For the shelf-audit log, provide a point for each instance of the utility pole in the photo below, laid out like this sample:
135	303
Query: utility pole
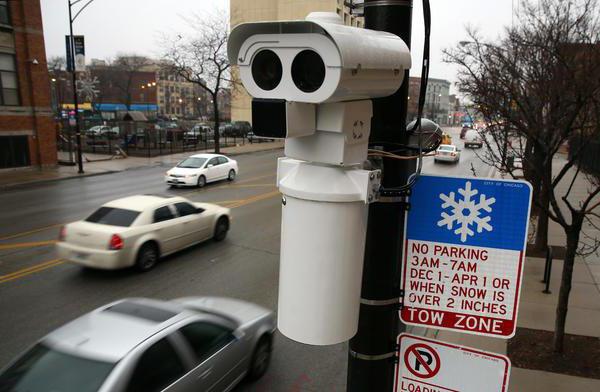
74	77
75	98
371	359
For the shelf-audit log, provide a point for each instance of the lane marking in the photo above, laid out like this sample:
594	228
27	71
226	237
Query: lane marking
30	270
27	245
33	231
256	198
252	185
22	234
228	185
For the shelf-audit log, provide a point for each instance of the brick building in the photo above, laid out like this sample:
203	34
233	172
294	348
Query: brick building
437	100
27	129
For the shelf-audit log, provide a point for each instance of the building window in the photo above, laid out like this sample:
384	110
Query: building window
9	86
14	151
4	12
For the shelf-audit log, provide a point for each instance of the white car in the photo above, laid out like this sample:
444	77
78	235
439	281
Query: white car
100	130
138	230
447	153
200	169
473	139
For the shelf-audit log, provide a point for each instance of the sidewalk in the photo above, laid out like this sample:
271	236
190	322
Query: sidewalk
537	310
97	164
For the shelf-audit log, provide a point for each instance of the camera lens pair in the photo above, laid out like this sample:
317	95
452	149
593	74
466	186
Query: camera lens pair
308	70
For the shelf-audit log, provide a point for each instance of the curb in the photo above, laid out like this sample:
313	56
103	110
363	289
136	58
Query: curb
50	180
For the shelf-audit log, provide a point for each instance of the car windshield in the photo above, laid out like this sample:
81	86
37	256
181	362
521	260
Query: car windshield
113	216
446	148
192	163
43	369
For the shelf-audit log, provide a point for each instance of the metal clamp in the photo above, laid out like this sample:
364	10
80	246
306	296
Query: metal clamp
366	357
352	5
391	195
380	302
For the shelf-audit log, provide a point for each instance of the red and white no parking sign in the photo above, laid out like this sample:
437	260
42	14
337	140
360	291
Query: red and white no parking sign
431	365
422	360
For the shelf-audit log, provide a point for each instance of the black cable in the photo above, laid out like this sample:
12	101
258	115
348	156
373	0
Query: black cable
422	96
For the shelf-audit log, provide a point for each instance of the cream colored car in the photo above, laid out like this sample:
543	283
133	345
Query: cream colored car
138	230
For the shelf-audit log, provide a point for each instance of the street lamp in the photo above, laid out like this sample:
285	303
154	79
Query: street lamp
439	106
75	98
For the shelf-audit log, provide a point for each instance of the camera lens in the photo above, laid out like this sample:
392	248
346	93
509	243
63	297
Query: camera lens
267	70
308	71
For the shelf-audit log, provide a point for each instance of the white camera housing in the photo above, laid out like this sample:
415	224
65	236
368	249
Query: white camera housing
321	60
312	82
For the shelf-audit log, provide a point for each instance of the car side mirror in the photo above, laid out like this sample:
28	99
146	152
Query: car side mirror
209	165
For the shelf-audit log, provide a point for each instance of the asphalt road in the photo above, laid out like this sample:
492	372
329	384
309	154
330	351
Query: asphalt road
38	292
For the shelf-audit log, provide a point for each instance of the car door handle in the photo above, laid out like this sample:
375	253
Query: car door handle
205	373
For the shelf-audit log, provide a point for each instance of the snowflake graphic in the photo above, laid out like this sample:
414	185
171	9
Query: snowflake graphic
466	212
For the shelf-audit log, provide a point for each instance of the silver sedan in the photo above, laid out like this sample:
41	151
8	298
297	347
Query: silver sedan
143	345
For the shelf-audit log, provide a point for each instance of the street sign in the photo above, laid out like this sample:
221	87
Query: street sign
465	244
79	49
78	61
430	365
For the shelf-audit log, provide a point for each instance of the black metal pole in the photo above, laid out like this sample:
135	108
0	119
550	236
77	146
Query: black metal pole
371	358
75	98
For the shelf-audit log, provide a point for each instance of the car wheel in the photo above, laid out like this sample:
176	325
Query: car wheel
201	181
221	229
231	175
147	257
261	357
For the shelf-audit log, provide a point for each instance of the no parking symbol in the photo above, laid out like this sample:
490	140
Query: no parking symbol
422	360
427	365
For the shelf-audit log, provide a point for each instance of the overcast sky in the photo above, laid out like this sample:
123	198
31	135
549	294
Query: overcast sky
136	26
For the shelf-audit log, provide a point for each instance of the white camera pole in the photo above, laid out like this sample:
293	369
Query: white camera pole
372	350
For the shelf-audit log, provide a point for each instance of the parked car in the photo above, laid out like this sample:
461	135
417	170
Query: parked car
226	129
473	139
101	130
252	138
145	345
199	132
200	169
447	153
138	230
241	128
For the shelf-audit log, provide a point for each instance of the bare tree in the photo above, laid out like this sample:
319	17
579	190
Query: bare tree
202	59
57	63
57	71
538	87
126	67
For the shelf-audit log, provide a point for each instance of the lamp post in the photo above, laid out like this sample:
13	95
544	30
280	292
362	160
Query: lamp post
145	99
74	78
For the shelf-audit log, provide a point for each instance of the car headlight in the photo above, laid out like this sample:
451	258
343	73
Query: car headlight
191	176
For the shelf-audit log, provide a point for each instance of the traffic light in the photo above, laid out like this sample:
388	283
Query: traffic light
312	83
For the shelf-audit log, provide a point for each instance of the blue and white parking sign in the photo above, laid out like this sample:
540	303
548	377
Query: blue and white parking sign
465	243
